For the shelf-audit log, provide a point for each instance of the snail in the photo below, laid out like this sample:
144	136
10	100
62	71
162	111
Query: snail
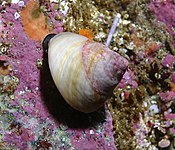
84	71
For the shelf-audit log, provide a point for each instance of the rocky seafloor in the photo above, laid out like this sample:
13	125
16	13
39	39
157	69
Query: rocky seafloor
140	115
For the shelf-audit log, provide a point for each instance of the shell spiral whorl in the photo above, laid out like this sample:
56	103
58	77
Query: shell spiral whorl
85	72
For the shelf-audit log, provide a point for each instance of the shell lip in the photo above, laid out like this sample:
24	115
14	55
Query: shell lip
45	42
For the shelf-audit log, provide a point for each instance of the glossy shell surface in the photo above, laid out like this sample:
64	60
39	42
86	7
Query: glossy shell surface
85	72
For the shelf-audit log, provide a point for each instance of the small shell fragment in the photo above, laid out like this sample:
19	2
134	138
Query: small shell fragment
164	143
16	15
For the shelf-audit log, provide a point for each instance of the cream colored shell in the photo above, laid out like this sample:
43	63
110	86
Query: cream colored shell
69	72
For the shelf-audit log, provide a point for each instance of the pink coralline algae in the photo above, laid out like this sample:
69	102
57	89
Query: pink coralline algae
34	118
165	12
172	131
167	96
16	135
173	77
170	116
128	80
168	61
3	58
94	137
34	115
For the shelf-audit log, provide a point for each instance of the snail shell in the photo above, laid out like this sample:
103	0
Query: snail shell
85	72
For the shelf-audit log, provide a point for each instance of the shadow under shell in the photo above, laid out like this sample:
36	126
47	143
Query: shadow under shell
58	107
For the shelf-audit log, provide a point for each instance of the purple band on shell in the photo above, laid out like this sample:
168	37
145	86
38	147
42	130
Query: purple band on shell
104	68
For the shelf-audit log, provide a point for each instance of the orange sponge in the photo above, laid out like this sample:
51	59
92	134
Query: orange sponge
87	33
34	22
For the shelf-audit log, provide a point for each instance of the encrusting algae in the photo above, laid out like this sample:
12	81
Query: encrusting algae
143	105
34	21
145	43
